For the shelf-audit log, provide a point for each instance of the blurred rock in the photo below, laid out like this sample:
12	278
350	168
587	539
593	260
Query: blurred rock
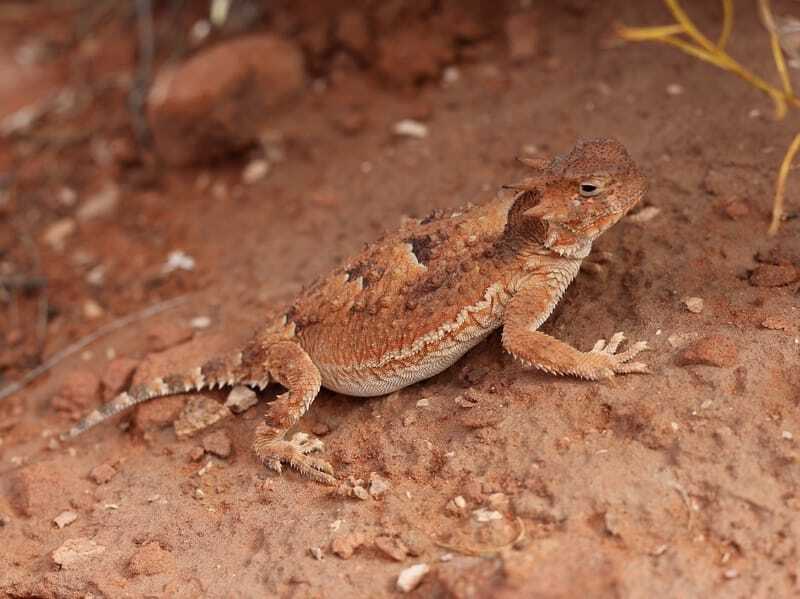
413	55
76	551
217	101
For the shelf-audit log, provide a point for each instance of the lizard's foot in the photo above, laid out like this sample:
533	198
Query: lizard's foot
604	362
276	452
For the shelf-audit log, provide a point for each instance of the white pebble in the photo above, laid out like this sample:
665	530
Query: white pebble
200	322
178	260
484	515
255	171
787	435
240	399
693	304
409	579
410	128
65	519
674	89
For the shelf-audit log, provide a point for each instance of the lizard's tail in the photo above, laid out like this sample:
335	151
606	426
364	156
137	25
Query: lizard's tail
214	373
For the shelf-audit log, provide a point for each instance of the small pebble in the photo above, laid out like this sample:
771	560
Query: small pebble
410	578
200	322
674	89
378	486
345	545
424	403
484	515
65	519
316	553
255	171
240	399
787	435
103	473
693	304
217	443
410	128
360	492
75	551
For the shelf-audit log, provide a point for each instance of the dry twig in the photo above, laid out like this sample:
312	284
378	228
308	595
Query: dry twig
699	46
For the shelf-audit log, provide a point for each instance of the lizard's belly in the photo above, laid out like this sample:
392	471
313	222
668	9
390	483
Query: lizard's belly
396	373
429	354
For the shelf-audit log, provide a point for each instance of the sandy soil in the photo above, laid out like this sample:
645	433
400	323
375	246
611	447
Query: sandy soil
683	483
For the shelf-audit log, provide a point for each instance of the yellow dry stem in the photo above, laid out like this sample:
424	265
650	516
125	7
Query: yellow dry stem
780	191
704	49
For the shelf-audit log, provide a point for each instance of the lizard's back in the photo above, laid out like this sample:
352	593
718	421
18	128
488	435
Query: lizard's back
409	305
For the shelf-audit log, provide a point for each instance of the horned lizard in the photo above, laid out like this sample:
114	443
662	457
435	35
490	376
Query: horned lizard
413	302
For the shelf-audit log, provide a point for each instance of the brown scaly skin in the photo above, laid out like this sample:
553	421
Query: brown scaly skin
415	301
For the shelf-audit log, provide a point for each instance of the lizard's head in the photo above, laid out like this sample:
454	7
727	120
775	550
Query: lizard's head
576	197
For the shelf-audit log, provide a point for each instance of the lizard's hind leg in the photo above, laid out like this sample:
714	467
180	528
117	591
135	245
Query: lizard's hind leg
289	365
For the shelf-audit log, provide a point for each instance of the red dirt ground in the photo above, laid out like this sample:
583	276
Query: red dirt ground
682	483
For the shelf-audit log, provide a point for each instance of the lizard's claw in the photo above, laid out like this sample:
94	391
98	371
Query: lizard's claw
604	362
294	453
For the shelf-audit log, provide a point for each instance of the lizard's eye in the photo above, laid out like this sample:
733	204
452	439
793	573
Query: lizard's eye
589	189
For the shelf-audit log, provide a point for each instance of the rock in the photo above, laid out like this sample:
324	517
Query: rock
485	515
693	304
377	485
456	505
255	171
217	443
345	545
65	519
102	204
151	559
196	453
392	548
240	399
217	101
35	488
118	375
522	33
158	413
316	553
55	235
167	335
774	275
414	54
76	551
199	413
713	350
92	310
77	393
410	128
360	492
352	31
498	501
410	578
102	474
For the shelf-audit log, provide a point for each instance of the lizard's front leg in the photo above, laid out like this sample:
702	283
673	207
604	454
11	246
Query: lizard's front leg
289	365
523	316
